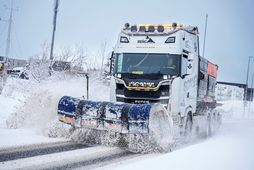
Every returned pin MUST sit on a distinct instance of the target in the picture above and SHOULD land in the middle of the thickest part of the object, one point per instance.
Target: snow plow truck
(161, 90)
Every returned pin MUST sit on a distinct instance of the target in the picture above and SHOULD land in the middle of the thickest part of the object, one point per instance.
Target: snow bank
(8, 105)
(39, 107)
(225, 92)
(236, 109)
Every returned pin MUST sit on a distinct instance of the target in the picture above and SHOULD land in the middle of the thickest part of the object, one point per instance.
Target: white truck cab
(160, 63)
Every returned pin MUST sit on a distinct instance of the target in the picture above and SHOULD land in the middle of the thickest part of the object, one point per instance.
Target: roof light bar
(152, 27)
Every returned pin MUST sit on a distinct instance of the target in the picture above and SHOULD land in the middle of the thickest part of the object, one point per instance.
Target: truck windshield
(148, 63)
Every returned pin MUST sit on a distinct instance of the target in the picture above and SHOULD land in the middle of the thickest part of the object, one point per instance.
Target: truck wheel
(188, 124)
(161, 132)
(160, 137)
(210, 125)
(218, 120)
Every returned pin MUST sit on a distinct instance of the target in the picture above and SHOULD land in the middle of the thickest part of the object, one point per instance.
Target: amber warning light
(212, 70)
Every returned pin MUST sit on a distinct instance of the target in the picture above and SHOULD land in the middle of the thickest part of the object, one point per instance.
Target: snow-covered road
(86, 158)
(231, 149)
(25, 151)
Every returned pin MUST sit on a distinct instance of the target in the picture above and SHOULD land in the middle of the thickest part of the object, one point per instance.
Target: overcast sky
(230, 32)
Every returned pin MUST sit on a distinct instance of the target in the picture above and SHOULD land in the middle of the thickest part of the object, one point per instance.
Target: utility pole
(206, 18)
(252, 87)
(247, 81)
(251, 94)
(8, 40)
(3, 77)
(56, 4)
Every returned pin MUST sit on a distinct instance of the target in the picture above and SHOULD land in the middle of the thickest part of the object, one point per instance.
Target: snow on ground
(63, 160)
(232, 148)
(28, 109)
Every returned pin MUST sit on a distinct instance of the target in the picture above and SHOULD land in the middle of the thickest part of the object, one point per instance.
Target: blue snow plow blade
(118, 117)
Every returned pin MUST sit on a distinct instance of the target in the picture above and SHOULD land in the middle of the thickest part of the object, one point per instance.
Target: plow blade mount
(118, 117)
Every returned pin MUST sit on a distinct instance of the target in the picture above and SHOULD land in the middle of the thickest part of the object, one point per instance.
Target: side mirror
(201, 76)
(184, 67)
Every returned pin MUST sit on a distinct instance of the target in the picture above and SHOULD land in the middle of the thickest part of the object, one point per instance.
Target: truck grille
(139, 95)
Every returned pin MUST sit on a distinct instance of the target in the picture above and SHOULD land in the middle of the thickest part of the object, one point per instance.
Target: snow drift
(39, 108)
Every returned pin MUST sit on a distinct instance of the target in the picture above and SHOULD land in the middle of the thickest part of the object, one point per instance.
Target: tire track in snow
(13, 153)
(86, 158)
(98, 162)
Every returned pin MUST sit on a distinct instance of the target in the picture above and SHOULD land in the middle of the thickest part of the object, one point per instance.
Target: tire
(160, 137)
(188, 124)
(210, 128)
(217, 120)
